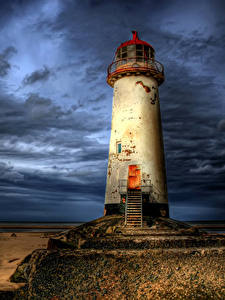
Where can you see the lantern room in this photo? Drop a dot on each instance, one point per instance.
(135, 48)
(135, 57)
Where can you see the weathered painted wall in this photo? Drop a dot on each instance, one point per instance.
(136, 123)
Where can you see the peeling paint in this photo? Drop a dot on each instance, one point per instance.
(147, 89)
(128, 152)
(153, 101)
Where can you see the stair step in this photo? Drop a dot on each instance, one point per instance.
(134, 200)
(133, 222)
(134, 215)
(134, 209)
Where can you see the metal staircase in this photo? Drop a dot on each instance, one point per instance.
(133, 213)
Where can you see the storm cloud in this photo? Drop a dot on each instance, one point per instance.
(38, 75)
(4, 60)
(56, 106)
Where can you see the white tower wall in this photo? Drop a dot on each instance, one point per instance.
(136, 124)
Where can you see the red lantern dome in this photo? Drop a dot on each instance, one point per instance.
(134, 41)
(135, 57)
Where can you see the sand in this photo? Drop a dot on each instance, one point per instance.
(13, 249)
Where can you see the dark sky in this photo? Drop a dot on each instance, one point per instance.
(55, 104)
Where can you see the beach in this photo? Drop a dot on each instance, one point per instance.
(14, 247)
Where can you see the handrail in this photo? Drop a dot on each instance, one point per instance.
(143, 63)
(148, 183)
(126, 211)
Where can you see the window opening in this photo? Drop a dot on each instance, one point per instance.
(119, 148)
(139, 47)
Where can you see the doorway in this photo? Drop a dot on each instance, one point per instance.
(134, 177)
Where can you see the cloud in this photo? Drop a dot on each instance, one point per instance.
(40, 114)
(36, 76)
(208, 169)
(221, 125)
(8, 173)
(4, 60)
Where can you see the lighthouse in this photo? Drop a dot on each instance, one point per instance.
(136, 175)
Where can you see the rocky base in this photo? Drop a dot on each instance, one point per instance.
(157, 233)
(103, 260)
(124, 275)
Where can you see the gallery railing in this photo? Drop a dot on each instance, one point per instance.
(151, 65)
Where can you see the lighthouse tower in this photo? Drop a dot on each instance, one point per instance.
(136, 177)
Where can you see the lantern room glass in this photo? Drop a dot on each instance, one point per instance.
(140, 52)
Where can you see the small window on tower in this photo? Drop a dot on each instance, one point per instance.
(119, 148)
(146, 52)
(131, 51)
(124, 54)
(139, 53)
(139, 47)
(151, 53)
(118, 55)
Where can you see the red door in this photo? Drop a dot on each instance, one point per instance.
(134, 177)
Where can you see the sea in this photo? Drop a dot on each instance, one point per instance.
(208, 226)
(37, 226)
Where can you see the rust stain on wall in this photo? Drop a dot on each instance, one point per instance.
(128, 152)
(124, 159)
(153, 101)
(113, 192)
(147, 89)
